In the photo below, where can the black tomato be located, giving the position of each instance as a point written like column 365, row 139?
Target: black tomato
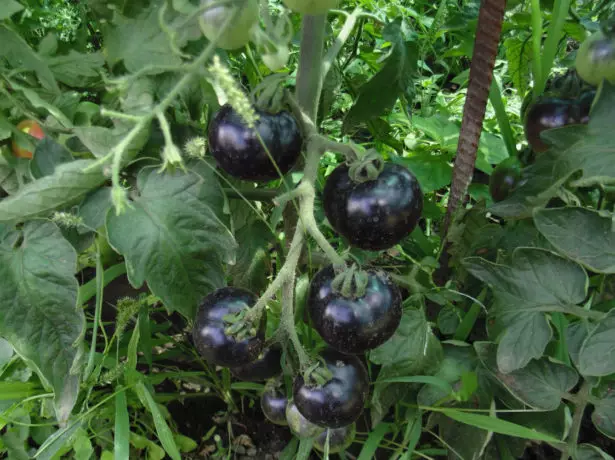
column 238, row 149
column 299, row 425
column 548, row 113
column 340, row 401
column 266, row 366
column 339, row 439
column 209, row 334
column 504, row 179
column 273, row 405
column 354, row 325
column 375, row 214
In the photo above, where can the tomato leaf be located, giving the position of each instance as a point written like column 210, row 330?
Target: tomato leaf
column 395, row 78
column 139, row 42
column 9, row 8
column 589, row 452
column 541, row 384
column 597, row 355
column 20, row 56
column 47, row 156
column 39, row 314
column 77, row 70
column 535, row 282
column 67, row 185
column 563, row 227
column 253, row 262
column 172, row 237
column 603, row 416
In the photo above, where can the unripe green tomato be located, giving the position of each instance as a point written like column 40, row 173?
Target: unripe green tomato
column 596, row 59
column 339, row 439
column 238, row 33
column 310, row 6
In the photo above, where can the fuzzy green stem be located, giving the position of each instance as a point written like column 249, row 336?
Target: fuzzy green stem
column 340, row 41
column 582, row 398
column 539, row 81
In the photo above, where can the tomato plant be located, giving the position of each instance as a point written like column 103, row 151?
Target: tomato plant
column 307, row 229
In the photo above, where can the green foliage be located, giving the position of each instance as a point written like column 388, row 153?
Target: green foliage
column 111, row 236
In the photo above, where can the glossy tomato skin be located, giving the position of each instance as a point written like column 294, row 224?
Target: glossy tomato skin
column 340, row 401
column 266, row 366
column 299, row 425
column 310, row 6
column 376, row 214
column 339, row 439
column 238, row 34
column 273, row 405
column 209, row 335
column 32, row 128
column 595, row 59
column 354, row 325
column 548, row 113
column 239, row 152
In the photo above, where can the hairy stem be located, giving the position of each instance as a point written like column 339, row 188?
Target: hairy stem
column 582, row 399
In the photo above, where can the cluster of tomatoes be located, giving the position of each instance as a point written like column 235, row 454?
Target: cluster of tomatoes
column 373, row 214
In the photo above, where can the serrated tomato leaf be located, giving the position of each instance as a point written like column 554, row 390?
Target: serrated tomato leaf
column 67, row 185
column 535, row 282
column 39, row 314
column 597, row 355
column 173, row 239
column 583, row 235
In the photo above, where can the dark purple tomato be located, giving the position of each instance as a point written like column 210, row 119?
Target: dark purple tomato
column 504, row 179
column 340, row 401
column 266, row 366
column 354, row 325
column 376, row 214
column 209, row 331
column 299, row 425
column 238, row 149
column 548, row 113
column 273, row 405
column 339, row 439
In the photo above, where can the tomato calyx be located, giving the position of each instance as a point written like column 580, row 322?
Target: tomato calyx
column 269, row 95
column 351, row 282
column 317, row 374
column 242, row 325
column 366, row 168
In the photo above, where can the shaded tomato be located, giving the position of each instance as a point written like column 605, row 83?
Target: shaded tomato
column 239, row 152
column 340, row 401
column 32, row 128
column 595, row 59
column 504, row 179
column 376, row 214
column 266, row 366
column 339, row 439
column 209, row 331
column 238, row 32
column 299, row 425
column 273, row 405
column 548, row 113
column 354, row 325
column 311, row 6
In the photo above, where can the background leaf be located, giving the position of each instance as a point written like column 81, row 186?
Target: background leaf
column 597, row 355
column 583, row 235
column 172, row 237
column 536, row 281
column 39, row 316
column 67, row 185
